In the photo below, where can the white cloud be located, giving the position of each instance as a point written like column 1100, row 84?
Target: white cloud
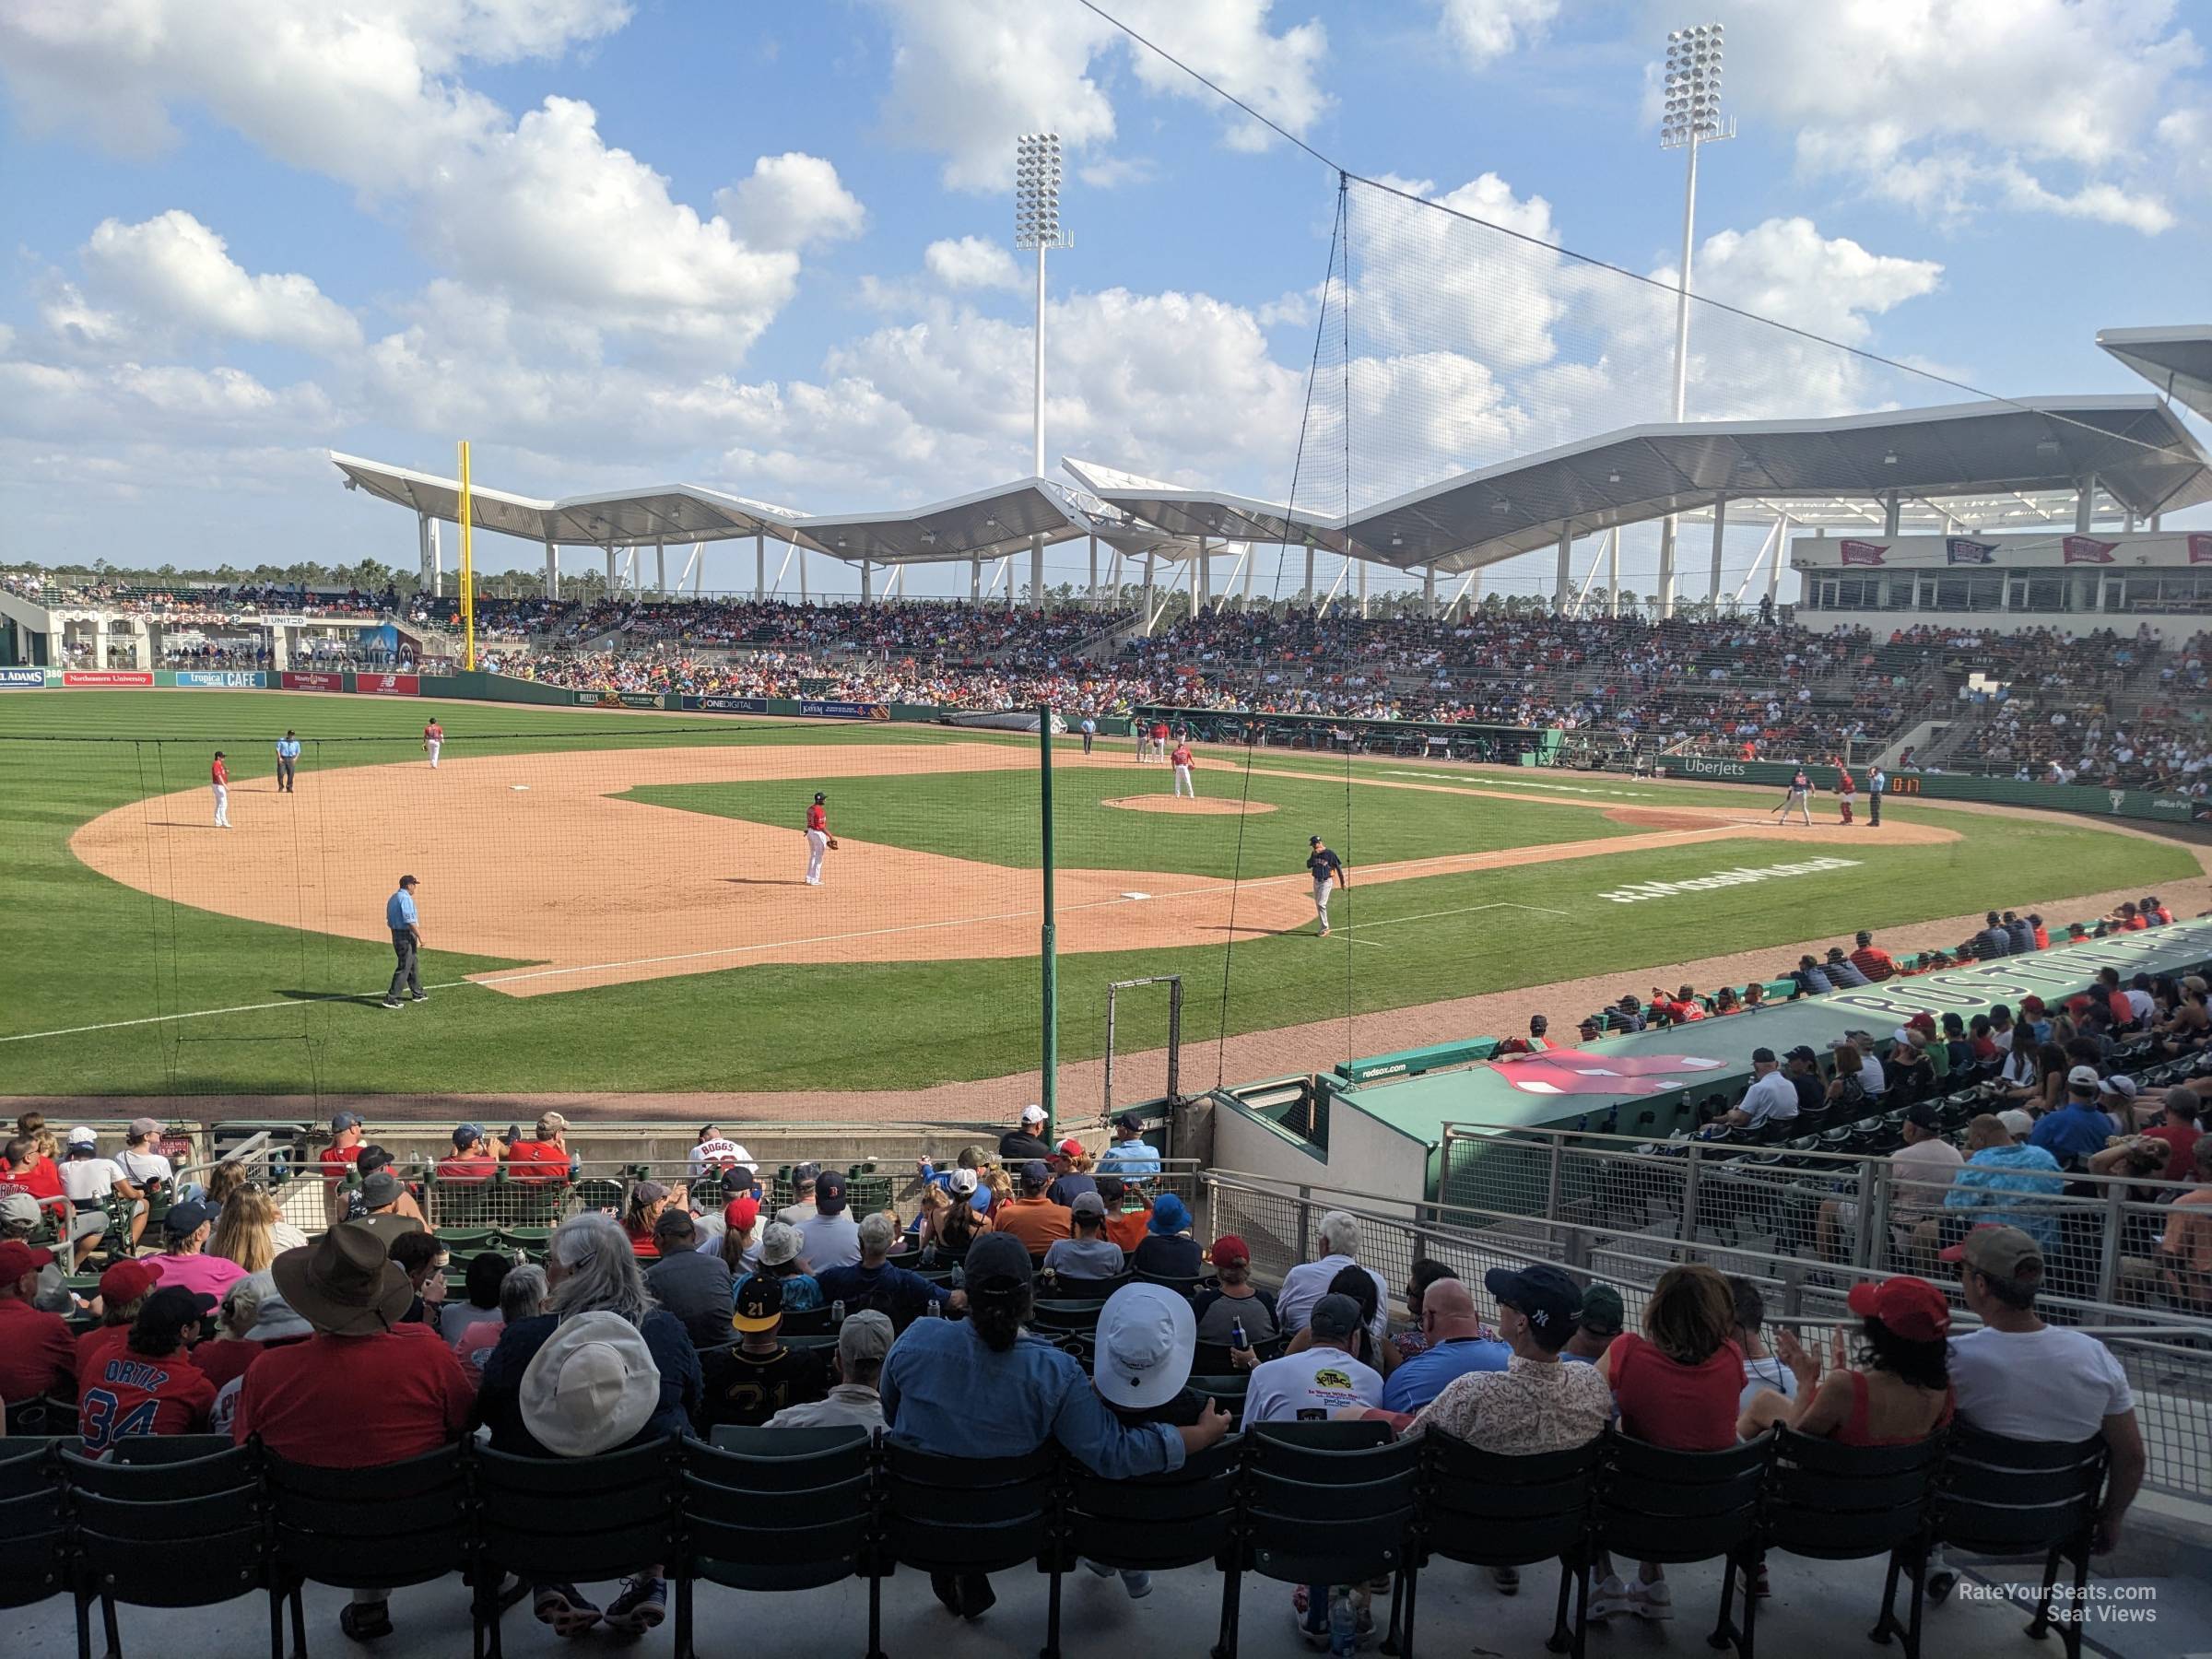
column 1485, row 31
column 968, row 77
column 971, row 262
column 1955, row 106
column 174, row 268
column 1421, row 277
column 1117, row 173
column 791, row 201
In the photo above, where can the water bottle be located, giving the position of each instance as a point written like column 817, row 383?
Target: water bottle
column 1235, row 1332
column 1344, row 1621
column 959, row 1275
column 837, row 1312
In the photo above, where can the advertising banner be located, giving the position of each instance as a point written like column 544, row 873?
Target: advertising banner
column 22, row 679
column 235, row 679
column 311, row 680
column 1960, row 549
column 1864, row 552
column 619, row 699
column 386, row 685
column 2200, row 550
column 844, row 711
column 82, row 677
column 2086, row 550
column 726, row 705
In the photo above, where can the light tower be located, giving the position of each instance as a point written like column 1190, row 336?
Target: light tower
column 1692, row 117
column 1037, row 226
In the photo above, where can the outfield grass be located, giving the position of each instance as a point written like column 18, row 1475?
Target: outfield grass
column 88, row 951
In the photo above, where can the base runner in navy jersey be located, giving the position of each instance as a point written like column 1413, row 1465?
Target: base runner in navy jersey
column 1327, row 871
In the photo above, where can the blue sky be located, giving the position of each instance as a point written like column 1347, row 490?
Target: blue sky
column 624, row 243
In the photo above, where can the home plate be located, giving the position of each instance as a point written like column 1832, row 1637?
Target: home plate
column 1137, row 895
column 520, row 788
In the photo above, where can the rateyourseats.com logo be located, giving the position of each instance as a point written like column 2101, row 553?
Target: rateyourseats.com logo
column 1637, row 891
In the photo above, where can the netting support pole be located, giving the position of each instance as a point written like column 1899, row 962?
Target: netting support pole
column 1363, row 564
column 1251, row 563
column 760, row 566
column 1613, row 572
column 1047, row 942
column 1563, row 579
column 659, row 568
column 1720, row 528
column 1782, row 547
column 1311, row 598
column 1037, row 570
column 1146, row 606
column 697, row 565
column 552, row 571
column 1094, row 571
column 975, row 581
column 1429, row 591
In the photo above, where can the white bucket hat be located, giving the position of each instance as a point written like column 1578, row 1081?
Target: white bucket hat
column 1147, row 1338
column 592, row 1387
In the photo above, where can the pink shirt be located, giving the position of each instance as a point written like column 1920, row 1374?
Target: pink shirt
column 210, row 1275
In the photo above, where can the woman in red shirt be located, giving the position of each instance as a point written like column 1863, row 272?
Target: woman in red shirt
column 647, row 1200
column 1677, row 1386
column 1901, row 1392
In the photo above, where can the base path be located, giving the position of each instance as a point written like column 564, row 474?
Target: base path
column 534, row 858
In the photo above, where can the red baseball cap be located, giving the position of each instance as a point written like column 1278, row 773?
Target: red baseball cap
column 17, row 1258
column 742, row 1212
column 1914, row 1309
column 1070, row 1148
column 1229, row 1248
column 128, row 1280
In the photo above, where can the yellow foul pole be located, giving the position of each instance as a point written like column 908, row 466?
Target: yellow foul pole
column 468, row 569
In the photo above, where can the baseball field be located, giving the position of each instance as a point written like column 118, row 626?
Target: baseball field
column 615, row 902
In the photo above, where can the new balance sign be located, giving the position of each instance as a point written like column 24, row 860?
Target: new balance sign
column 387, row 685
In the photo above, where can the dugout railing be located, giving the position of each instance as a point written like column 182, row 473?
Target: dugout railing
column 1825, row 1207
column 2167, row 1357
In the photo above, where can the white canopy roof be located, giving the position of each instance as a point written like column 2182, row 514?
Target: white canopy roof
column 2176, row 360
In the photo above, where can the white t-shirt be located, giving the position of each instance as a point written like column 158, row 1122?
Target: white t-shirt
column 1919, row 1176
column 1309, row 1281
column 1309, row 1387
column 89, row 1179
column 1770, row 1097
column 2051, row 1384
column 141, row 1166
column 1764, row 1374
column 2140, row 1001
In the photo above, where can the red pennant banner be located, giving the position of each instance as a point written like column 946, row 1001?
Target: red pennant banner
column 2088, row 550
column 2200, row 550
column 1864, row 552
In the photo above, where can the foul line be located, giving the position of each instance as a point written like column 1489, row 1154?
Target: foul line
column 1433, row 915
column 493, row 981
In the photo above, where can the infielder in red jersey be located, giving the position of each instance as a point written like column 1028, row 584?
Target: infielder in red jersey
column 817, row 838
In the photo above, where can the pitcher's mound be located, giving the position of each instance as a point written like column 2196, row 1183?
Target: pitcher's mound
column 1168, row 803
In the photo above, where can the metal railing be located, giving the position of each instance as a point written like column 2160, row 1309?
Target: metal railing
column 2167, row 1357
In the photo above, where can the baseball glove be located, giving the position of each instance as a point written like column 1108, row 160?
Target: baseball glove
column 833, row 843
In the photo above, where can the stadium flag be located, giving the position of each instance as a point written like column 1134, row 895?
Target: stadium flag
column 2200, row 550
column 1960, row 549
column 1864, row 552
column 2088, row 550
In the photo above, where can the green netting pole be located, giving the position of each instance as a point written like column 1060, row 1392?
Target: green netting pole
column 1047, row 943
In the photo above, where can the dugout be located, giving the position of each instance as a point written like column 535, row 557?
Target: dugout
column 1410, row 739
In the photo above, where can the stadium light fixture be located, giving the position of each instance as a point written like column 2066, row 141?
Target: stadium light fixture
column 1690, row 116
column 1037, row 228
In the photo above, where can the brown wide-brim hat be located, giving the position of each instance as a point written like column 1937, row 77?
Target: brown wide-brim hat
column 344, row 1284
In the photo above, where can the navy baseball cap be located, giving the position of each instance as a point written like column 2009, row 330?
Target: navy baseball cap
column 1034, row 1173
column 829, row 1193
column 187, row 1217
column 1542, row 1294
column 1130, row 1122
column 467, row 1135
column 342, row 1121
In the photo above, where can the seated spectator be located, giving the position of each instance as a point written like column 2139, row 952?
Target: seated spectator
column 592, row 1270
column 829, row 1236
column 1604, row 1315
column 1168, row 1251
column 388, row 1209
column 1087, row 1256
column 863, row 1341
column 899, row 1294
column 1842, row 972
column 1130, row 1157
column 939, row 1369
column 690, row 1282
column 1677, row 1385
column 1358, row 1284
column 2079, row 1128
column 779, row 1260
column 1410, row 1337
column 641, row 1211
column 1846, row 1089
column 747, row 1383
column 544, row 1160
column 1323, row 1377
column 423, row 1259
column 1801, row 1066
column 1336, row 1242
column 37, row 1356
column 1812, row 980
column 1900, row 1390
column 2180, row 1130
column 1771, row 1100
column 91, row 1182
column 953, row 1216
column 1147, row 1341
column 253, row 1320
column 1871, row 960
column 246, row 1231
column 2186, row 1247
column 1999, row 1171
column 186, row 1229
column 739, row 1245
column 1455, row 1346
column 1232, row 1300
column 1070, row 1166
column 523, row 1294
column 2117, row 1097
column 149, row 1383
column 2025, row 1379
column 472, row 1163
column 364, row 1391
column 480, row 1283
column 1912, row 1072
column 1026, row 1142
column 1033, row 1219
column 1920, row 1173
column 1126, row 1226
column 1762, row 1370
column 123, row 1288
column 337, row 1161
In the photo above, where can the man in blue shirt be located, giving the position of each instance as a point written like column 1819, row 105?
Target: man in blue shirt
column 1456, row 1346
column 2077, row 1129
column 406, row 942
column 287, row 760
column 1090, row 732
column 1993, row 941
column 1129, row 1157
